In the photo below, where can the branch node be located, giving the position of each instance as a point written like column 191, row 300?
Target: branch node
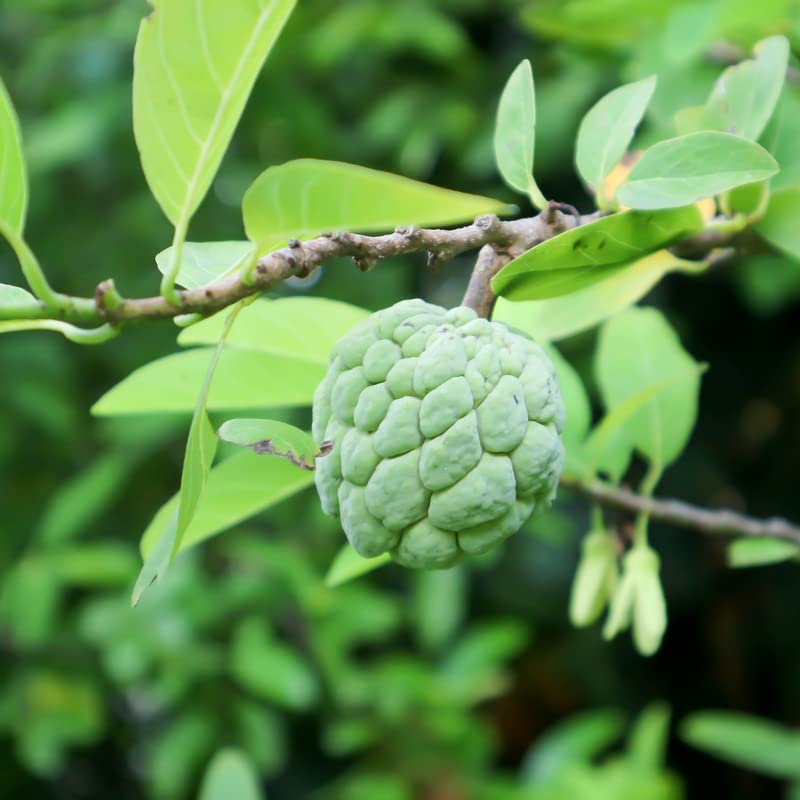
column 490, row 223
column 365, row 262
column 294, row 243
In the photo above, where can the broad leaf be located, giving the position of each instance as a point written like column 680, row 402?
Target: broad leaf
column 195, row 63
column 236, row 489
column 638, row 349
column 201, row 446
column 348, row 565
column 576, row 399
column 246, row 379
column 781, row 137
column 559, row 317
column 203, row 262
column 610, row 446
column 271, row 437
column 747, row 552
column 612, row 240
column 307, row 197
column 780, row 224
column 745, row 95
column 749, row 742
column 13, row 180
column 686, row 169
column 302, row 327
column 230, row 775
column 515, row 133
column 608, row 128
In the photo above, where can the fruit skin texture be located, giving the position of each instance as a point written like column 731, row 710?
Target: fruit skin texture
column 446, row 432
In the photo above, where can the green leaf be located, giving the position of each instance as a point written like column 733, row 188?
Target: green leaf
column 195, row 63
column 236, row 489
column 577, row 740
column 608, row 128
column 515, row 133
column 14, row 297
column 13, row 179
column 559, row 317
column 301, row 327
column 781, row 137
column 690, row 120
column 610, row 446
column 270, row 669
column 201, row 446
column 749, row 742
column 245, row 380
column 748, row 552
column 271, row 437
column 306, row 197
column 204, row 262
column 230, row 775
column 780, row 224
column 649, row 737
column 688, row 168
column 438, row 605
column 576, row 399
column 349, row 565
column 744, row 97
column 612, row 240
column 638, row 349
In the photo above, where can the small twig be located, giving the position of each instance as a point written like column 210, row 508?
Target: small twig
column 677, row 512
column 479, row 295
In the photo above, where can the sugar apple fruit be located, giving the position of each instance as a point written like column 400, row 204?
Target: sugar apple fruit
column 445, row 431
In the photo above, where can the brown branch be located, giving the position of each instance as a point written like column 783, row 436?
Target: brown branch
column 479, row 295
column 676, row 512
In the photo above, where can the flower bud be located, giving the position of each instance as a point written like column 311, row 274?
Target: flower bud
column 595, row 579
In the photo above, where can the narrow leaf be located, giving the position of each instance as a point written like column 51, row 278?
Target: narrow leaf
column 745, row 95
column 306, row 197
column 559, row 317
column 230, row 775
column 271, row 437
column 612, row 240
column 195, row 63
column 203, row 262
column 245, row 380
column 236, row 489
column 638, row 349
column 13, row 178
column 747, row 741
column 201, row 446
column 686, row 169
column 748, row 552
column 301, row 327
column 349, row 565
column 608, row 128
column 515, row 133
column 780, row 224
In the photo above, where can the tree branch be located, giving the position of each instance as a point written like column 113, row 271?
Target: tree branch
column 706, row 520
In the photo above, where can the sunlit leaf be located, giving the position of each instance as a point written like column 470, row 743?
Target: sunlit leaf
column 559, row 317
column 203, row 262
column 608, row 128
column 349, row 565
column 686, row 169
column 781, row 136
column 515, row 133
column 307, row 197
column 13, row 180
column 745, row 95
column 780, row 224
column 195, row 63
column 747, row 741
column 612, row 240
column 236, row 489
column 272, row 437
column 230, row 775
column 747, row 552
column 638, row 349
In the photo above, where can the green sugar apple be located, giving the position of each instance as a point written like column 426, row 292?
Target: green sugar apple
column 445, row 431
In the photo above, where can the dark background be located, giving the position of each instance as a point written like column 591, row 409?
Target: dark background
column 96, row 698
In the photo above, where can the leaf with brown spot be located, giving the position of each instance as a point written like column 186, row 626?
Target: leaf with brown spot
column 270, row 437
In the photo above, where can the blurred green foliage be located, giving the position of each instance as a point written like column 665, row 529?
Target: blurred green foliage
column 461, row 684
